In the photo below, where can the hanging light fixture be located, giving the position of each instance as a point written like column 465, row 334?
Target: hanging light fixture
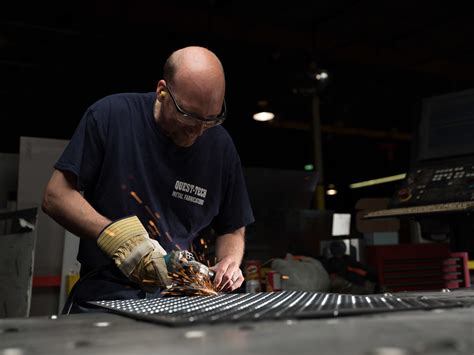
column 331, row 191
column 321, row 75
column 264, row 112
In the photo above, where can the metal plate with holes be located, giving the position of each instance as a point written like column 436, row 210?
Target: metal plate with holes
column 263, row 306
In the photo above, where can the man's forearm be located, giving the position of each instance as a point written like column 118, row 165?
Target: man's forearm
column 78, row 217
column 231, row 245
column 68, row 207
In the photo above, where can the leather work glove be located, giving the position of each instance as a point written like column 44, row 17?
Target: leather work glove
column 139, row 258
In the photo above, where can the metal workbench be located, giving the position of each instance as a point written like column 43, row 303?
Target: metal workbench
column 439, row 331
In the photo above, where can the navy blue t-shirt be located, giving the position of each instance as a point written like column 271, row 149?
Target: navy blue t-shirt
column 125, row 166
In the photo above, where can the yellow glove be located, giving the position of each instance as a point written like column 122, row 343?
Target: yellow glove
column 139, row 258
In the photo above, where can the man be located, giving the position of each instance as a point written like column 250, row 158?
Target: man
column 164, row 158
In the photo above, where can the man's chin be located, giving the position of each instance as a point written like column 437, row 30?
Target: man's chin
column 184, row 142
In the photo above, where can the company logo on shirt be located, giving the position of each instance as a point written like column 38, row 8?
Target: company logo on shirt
column 189, row 192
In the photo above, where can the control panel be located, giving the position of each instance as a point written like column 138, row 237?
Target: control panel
column 437, row 183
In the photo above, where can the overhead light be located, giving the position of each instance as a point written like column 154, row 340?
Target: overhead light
column 315, row 72
column 263, row 112
column 263, row 116
column 321, row 75
column 331, row 191
column 382, row 180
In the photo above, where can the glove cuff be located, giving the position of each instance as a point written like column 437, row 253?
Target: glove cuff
column 119, row 232
column 136, row 254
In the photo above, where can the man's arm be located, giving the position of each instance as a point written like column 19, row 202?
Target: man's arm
column 63, row 202
column 147, row 266
column 229, row 253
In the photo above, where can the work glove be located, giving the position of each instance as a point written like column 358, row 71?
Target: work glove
column 140, row 258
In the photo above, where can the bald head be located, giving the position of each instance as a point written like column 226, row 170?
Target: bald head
column 193, row 86
column 196, row 67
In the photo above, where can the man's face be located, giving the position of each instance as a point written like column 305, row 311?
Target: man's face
column 182, row 125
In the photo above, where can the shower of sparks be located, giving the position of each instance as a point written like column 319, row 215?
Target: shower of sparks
column 185, row 282
column 190, row 283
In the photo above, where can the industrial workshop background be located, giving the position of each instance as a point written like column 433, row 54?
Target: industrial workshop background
column 351, row 86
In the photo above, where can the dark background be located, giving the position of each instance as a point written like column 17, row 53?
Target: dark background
column 383, row 57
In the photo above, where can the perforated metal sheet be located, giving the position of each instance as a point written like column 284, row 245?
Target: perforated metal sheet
column 264, row 306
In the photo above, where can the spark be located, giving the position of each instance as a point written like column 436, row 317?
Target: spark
column 135, row 196
column 154, row 227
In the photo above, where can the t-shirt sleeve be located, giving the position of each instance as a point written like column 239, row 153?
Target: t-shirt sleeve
column 84, row 154
column 235, row 210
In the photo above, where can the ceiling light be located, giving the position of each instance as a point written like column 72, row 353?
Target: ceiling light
column 263, row 112
column 322, row 75
column 263, row 116
column 331, row 191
